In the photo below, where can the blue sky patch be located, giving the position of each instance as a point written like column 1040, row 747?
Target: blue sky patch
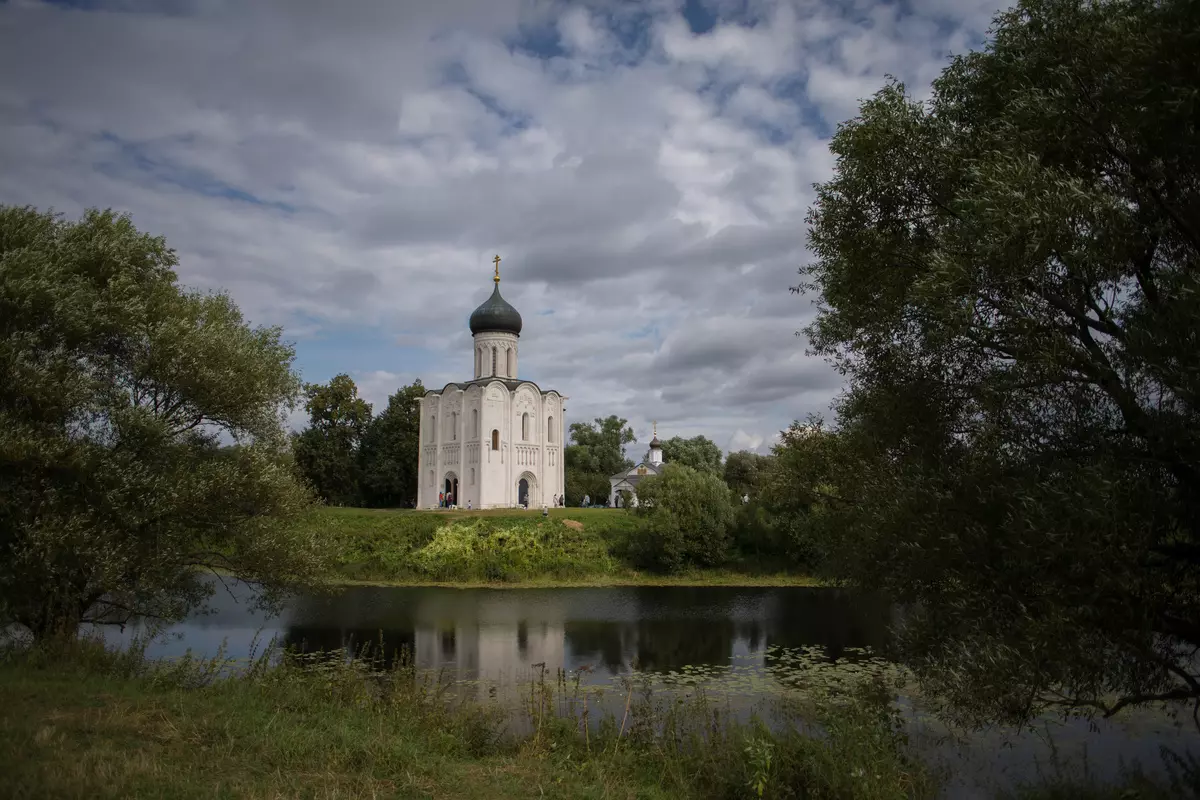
column 133, row 157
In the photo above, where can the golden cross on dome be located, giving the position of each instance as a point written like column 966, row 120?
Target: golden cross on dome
column 655, row 423
column 496, row 261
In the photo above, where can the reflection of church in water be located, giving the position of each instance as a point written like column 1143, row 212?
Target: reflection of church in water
column 494, row 441
column 496, row 651
column 503, row 636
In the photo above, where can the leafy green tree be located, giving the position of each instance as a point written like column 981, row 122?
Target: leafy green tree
column 745, row 472
column 596, row 453
column 1010, row 280
column 389, row 450
column 599, row 447
column 117, row 389
column 798, row 491
column 699, row 453
column 595, row 485
column 327, row 452
column 685, row 519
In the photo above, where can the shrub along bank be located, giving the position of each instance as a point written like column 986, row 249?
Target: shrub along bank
column 571, row 545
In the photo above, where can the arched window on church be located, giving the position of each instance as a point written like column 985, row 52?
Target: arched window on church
column 525, row 427
column 475, row 422
column 478, row 361
column 493, row 361
column 453, row 426
column 472, row 476
column 550, row 428
column 433, row 427
column 495, row 439
column 512, row 363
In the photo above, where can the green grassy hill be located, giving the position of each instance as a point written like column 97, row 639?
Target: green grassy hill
column 496, row 546
column 503, row 545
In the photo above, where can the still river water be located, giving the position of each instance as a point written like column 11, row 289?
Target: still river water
column 740, row 636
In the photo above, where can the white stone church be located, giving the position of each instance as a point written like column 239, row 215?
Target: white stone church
column 495, row 441
column 627, row 480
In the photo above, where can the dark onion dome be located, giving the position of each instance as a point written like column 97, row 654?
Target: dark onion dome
column 655, row 443
column 496, row 316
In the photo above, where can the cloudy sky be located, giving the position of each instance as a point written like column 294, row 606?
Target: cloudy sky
column 347, row 169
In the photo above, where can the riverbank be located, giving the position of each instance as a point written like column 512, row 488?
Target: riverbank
column 697, row 578
column 96, row 724
column 508, row 548
column 81, row 721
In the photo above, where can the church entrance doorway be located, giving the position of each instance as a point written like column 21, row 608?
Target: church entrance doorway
column 527, row 490
column 451, row 489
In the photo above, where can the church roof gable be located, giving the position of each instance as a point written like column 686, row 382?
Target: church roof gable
column 635, row 471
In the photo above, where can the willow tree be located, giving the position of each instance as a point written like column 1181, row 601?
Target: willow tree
column 118, row 390
column 1009, row 279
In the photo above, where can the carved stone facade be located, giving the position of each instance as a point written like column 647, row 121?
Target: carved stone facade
column 494, row 441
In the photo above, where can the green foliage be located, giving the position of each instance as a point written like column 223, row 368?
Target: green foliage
column 388, row 455
column 797, row 493
column 594, row 485
column 1010, row 279
column 699, row 453
column 327, row 452
column 116, row 388
column 685, row 519
column 499, row 549
column 746, row 473
column 599, row 448
column 757, row 533
column 596, row 453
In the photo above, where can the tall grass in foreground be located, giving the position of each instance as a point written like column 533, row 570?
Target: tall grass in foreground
column 80, row 720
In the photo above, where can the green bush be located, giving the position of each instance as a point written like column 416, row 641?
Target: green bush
column 755, row 531
column 504, row 549
column 685, row 520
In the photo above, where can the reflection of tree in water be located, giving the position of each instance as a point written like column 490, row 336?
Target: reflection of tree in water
column 657, row 628
column 834, row 620
column 664, row 645
column 602, row 641
column 753, row 634
column 658, row 645
column 351, row 641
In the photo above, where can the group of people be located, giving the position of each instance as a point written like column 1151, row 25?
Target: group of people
column 446, row 500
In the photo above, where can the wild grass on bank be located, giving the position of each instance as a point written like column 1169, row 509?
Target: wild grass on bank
column 571, row 546
column 84, row 721
column 465, row 547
